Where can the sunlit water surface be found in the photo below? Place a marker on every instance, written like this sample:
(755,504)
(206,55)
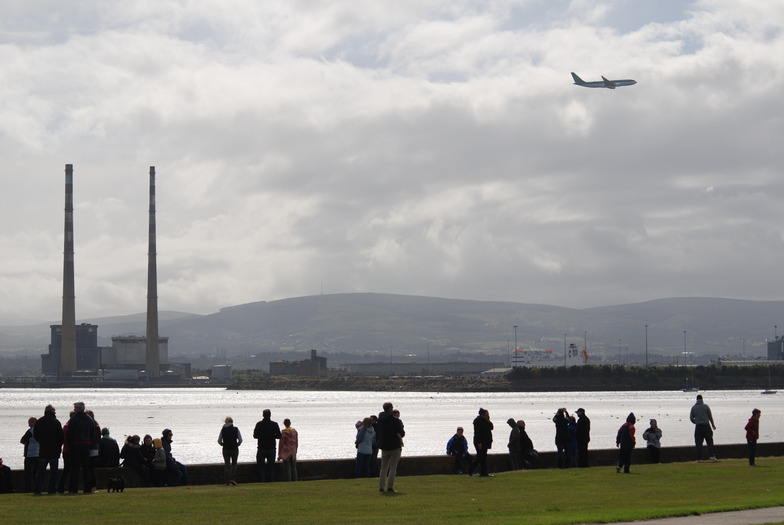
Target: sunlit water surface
(325,420)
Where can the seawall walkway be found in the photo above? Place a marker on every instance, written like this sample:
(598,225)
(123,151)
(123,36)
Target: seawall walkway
(209,474)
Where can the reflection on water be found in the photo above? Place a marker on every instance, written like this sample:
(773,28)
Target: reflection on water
(325,420)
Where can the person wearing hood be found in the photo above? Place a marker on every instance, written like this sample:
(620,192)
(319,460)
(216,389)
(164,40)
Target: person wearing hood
(230,439)
(287,450)
(702,418)
(132,458)
(625,442)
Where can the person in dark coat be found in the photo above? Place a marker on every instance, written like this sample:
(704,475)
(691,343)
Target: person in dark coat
(81,436)
(30,454)
(390,441)
(176,472)
(108,450)
(583,437)
(49,433)
(457,446)
(561,420)
(133,459)
(266,432)
(483,441)
(6,479)
(515,450)
(625,442)
(529,455)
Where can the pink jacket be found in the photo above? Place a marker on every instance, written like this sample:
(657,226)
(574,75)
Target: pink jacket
(287,449)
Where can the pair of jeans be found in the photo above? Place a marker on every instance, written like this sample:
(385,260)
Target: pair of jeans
(703,432)
(230,464)
(265,462)
(53,464)
(290,469)
(752,443)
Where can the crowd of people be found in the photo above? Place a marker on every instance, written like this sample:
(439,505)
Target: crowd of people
(84,445)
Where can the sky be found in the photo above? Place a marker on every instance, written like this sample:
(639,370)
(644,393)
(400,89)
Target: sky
(417,147)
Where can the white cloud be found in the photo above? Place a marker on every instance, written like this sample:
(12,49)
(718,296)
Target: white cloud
(433,148)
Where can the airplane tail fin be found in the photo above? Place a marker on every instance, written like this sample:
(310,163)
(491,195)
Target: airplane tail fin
(577,80)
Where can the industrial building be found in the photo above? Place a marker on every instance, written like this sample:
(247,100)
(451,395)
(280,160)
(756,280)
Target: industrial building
(313,367)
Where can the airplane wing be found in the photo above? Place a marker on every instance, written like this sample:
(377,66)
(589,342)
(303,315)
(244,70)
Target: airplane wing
(608,83)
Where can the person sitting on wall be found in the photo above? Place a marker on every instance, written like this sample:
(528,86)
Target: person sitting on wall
(457,446)
(6,483)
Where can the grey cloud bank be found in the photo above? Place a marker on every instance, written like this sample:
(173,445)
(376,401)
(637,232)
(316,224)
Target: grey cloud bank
(429,148)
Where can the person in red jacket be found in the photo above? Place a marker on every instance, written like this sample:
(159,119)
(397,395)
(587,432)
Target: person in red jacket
(752,435)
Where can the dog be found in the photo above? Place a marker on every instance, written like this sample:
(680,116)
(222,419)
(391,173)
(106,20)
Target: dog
(116,484)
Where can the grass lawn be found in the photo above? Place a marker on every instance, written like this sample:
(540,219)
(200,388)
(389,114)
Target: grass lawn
(593,495)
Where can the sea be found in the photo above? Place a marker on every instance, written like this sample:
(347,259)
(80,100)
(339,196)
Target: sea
(325,421)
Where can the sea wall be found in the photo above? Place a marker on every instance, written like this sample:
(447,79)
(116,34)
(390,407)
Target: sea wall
(207,474)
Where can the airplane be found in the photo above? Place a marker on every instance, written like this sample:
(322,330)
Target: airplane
(604,83)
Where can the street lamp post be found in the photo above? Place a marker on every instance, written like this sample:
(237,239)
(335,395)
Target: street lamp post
(619,352)
(685,355)
(515,347)
(646,345)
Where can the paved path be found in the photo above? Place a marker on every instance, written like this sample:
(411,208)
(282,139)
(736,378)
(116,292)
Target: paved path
(740,517)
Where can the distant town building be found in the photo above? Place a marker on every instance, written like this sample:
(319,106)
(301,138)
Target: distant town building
(776,349)
(88,353)
(221,372)
(313,367)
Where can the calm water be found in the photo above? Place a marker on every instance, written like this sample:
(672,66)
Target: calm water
(325,420)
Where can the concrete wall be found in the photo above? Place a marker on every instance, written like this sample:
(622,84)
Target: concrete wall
(206,474)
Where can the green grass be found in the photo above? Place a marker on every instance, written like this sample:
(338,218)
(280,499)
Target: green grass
(594,495)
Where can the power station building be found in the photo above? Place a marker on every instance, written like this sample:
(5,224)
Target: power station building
(74,350)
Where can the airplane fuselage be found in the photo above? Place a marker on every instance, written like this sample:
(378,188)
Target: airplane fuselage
(604,83)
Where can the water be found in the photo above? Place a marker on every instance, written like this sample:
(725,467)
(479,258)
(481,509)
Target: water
(325,420)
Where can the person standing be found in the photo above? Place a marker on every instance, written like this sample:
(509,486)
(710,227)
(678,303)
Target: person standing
(287,451)
(652,436)
(702,418)
(30,454)
(266,432)
(390,441)
(583,437)
(515,451)
(365,441)
(81,436)
(625,442)
(230,440)
(752,435)
(108,450)
(561,420)
(49,433)
(483,441)
(457,446)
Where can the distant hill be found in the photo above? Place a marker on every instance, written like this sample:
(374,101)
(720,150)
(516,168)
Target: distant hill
(383,327)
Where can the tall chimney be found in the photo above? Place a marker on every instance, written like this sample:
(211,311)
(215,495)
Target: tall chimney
(68,340)
(153,363)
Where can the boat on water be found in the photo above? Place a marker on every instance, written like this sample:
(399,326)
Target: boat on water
(768,391)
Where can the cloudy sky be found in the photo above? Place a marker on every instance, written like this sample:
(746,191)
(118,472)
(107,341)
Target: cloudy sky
(426,147)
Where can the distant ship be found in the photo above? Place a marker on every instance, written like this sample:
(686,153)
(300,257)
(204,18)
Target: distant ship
(536,356)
